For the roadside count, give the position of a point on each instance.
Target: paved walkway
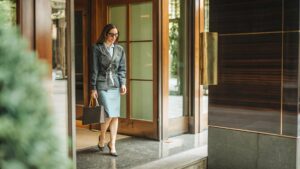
(144, 153)
(133, 152)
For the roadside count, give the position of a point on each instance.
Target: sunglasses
(113, 34)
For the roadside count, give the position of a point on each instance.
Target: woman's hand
(94, 94)
(123, 90)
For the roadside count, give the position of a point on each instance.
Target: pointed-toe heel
(112, 153)
(100, 148)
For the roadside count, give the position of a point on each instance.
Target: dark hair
(104, 33)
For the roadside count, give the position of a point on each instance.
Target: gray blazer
(108, 72)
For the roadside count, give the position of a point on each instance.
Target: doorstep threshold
(178, 161)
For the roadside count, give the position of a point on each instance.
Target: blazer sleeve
(94, 67)
(122, 69)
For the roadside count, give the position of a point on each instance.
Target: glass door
(81, 57)
(139, 107)
(178, 68)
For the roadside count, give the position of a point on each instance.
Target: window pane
(123, 97)
(141, 60)
(141, 21)
(59, 70)
(124, 47)
(178, 59)
(141, 100)
(123, 106)
(59, 60)
(117, 16)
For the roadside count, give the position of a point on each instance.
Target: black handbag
(93, 115)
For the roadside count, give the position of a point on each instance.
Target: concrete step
(202, 164)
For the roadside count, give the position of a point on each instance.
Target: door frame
(195, 91)
(148, 129)
(99, 17)
(82, 7)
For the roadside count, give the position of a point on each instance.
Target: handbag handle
(91, 99)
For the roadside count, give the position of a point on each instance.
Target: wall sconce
(209, 58)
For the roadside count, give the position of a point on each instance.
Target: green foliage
(8, 12)
(174, 37)
(27, 136)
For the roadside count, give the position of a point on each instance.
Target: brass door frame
(196, 121)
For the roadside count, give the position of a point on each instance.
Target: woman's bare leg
(113, 133)
(104, 127)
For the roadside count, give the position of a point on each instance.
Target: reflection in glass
(206, 15)
(141, 21)
(59, 65)
(178, 58)
(59, 70)
(117, 16)
(141, 100)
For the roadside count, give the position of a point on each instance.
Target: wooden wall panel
(43, 38)
(25, 20)
(249, 83)
(232, 16)
(291, 15)
(290, 83)
(164, 51)
(98, 19)
(34, 20)
(258, 66)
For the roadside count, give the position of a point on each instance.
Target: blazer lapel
(105, 52)
(114, 53)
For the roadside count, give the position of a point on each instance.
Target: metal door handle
(209, 58)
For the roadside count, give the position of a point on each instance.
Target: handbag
(91, 115)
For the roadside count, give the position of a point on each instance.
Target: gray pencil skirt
(111, 101)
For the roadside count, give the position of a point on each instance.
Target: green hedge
(27, 136)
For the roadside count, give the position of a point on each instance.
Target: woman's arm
(122, 70)
(94, 67)
(122, 73)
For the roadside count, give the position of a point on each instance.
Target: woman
(108, 81)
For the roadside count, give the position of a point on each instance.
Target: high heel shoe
(112, 153)
(100, 148)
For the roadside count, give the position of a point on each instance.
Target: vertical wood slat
(128, 54)
(98, 19)
(196, 87)
(25, 20)
(164, 67)
(43, 39)
(155, 67)
(85, 59)
(71, 79)
(34, 20)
